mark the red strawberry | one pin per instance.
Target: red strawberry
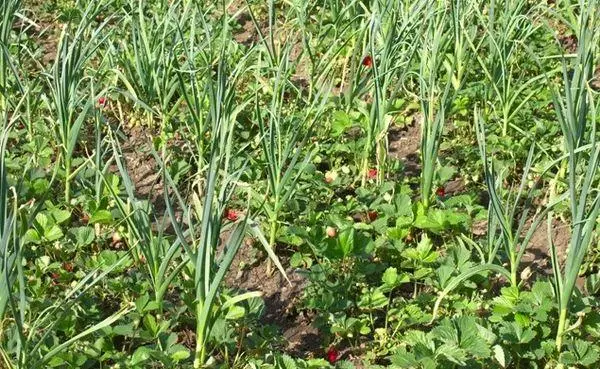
(441, 191)
(372, 173)
(367, 61)
(332, 355)
(231, 215)
(102, 101)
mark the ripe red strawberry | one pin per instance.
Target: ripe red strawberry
(441, 191)
(372, 173)
(332, 355)
(231, 215)
(367, 61)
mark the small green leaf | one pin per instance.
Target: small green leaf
(43, 221)
(141, 302)
(341, 121)
(60, 216)
(390, 276)
(150, 324)
(140, 355)
(123, 330)
(56, 361)
(296, 260)
(499, 355)
(235, 312)
(345, 241)
(374, 299)
(83, 235)
(31, 236)
(446, 173)
(182, 354)
(53, 234)
(101, 216)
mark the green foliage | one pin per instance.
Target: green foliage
(394, 160)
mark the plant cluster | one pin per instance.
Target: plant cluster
(423, 176)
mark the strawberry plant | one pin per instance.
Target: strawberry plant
(332, 184)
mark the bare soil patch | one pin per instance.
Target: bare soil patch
(143, 168)
(404, 143)
(537, 255)
(281, 298)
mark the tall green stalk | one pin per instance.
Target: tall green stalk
(436, 93)
(393, 41)
(8, 10)
(163, 257)
(512, 218)
(147, 58)
(213, 106)
(508, 26)
(204, 218)
(68, 104)
(29, 329)
(7, 225)
(323, 56)
(511, 223)
(284, 139)
(576, 113)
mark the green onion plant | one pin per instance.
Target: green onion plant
(146, 60)
(200, 228)
(393, 42)
(162, 256)
(284, 138)
(436, 91)
(8, 12)
(508, 27)
(25, 331)
(576, 113)
(69, 105)
(512, 219)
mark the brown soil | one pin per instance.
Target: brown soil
(536, 262)
(45, 31)
(454, 187)
(404, 145)
(48, 39)
(280, 297)
(142, 167)
(568, 42)
(537, 255)
(247, 35)
(247, 272)
(144, 172)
